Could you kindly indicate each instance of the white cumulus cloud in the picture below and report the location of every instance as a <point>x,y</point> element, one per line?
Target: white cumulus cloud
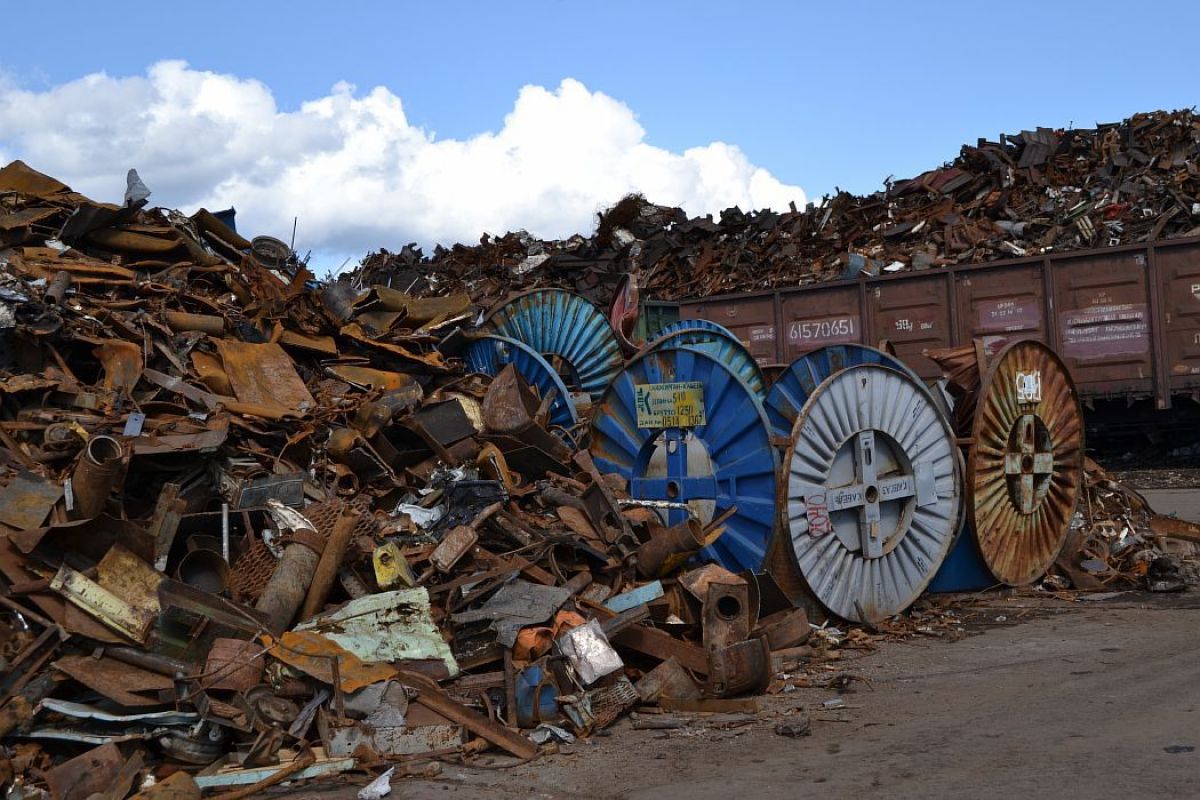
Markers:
<point>352,167</point>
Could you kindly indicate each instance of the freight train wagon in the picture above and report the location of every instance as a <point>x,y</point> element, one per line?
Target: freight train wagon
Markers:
<point>1125,319</point>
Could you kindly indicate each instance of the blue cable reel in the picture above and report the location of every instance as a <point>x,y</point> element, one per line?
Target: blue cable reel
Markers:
<point>796,384</point>
<point>692,325</point>
<point>566,330</point>
<point>721,345</point>
<point>490,354</point>
<point>680,426</point>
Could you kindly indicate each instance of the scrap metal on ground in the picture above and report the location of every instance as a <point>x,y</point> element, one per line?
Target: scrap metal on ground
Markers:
<point>257,529</point>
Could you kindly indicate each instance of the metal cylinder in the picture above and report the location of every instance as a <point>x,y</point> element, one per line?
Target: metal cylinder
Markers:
<point>678,540</point>
<point>330,561</point>
<point>204,569</point>
<point>182,322</point>
<point>56,290</point>
<point>283,594</point>
<point>95,476</point>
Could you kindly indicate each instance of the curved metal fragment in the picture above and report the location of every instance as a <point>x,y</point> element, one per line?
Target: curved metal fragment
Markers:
<point>490,354</point>
<point>573,336</point>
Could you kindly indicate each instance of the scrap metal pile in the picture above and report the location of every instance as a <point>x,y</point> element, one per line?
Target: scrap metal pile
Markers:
<point>258,529</point>
<point>1036,192</point>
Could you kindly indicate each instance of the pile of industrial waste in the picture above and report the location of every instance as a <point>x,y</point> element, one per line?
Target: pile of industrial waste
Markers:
<point>255,529</point>
<point>1037,192</point>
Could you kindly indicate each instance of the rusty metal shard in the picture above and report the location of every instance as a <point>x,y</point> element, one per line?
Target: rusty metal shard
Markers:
<point>264,375</point>
<point>26,501</point>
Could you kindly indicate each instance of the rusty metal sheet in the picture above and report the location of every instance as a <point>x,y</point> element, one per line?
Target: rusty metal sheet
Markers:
<point>1103,323</point>
<point>325,345</point>
<point>819,317</point>
<point>913,315</point>
<point>87,774</point>
<point>114,679</point>
<point>26,501</point>
<point>122,362</point>
<point>367,376</point>
<point>1179,284</point>
<point>750,318</point>
<point>314,654</point>
<point>263,374</point>
<point>130,578</point>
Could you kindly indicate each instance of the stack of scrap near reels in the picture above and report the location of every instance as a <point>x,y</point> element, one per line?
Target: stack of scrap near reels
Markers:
<point>872,486</point>
<point>1019,416</point>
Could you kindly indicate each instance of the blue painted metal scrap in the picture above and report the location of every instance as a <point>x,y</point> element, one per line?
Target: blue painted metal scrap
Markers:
<point>490,354</point>
<point>721,345</point>
<point>569,332</point>
<point>723,462</point>
<point>796,384</point>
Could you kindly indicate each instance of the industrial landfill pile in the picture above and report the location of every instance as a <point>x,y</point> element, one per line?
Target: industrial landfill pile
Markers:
<point>1038,192</point>
<point>257,529</point>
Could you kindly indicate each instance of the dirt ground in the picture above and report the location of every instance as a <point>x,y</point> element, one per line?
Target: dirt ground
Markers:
<point>1096,699</point>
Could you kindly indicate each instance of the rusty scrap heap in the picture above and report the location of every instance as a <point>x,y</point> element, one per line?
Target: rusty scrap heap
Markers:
<point>256,529</point>
<point>1036,192</point>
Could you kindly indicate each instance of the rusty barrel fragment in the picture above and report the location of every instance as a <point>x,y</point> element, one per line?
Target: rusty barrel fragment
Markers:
<point>672,544</point>
<point>56,290</point>
<point>96,475</point>
<point>284,593</point>
<point>204,569</point>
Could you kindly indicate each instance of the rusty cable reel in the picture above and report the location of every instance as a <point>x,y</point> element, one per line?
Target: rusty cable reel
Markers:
<point>872,492</point>
<point>1025,463</point>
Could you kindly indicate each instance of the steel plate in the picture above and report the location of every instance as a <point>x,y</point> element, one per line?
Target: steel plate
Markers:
<point>791,389</point>
<point>872,492</point>
<point>1025,467</point>
<point>490,354</point>
<point>573,336</point>
<point>725,348</point>
<point>725,463</point>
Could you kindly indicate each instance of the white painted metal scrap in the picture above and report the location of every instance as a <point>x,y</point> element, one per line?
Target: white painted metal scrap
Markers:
<point>873,492</point>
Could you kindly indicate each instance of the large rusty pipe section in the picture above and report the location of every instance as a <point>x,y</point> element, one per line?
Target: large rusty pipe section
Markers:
<point>283,595</point>
<point>330,561</point>
<point>95,476</point>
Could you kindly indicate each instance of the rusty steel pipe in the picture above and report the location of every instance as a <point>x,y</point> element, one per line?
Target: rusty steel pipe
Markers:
<point>96,475</point>
<point>283,595</point>
<point>183,322</point>
<point>330,561</point>
<point>56,291</point>
<point>679,540</point>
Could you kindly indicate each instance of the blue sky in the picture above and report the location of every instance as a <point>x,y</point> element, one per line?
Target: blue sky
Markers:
<point>818,95</point>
